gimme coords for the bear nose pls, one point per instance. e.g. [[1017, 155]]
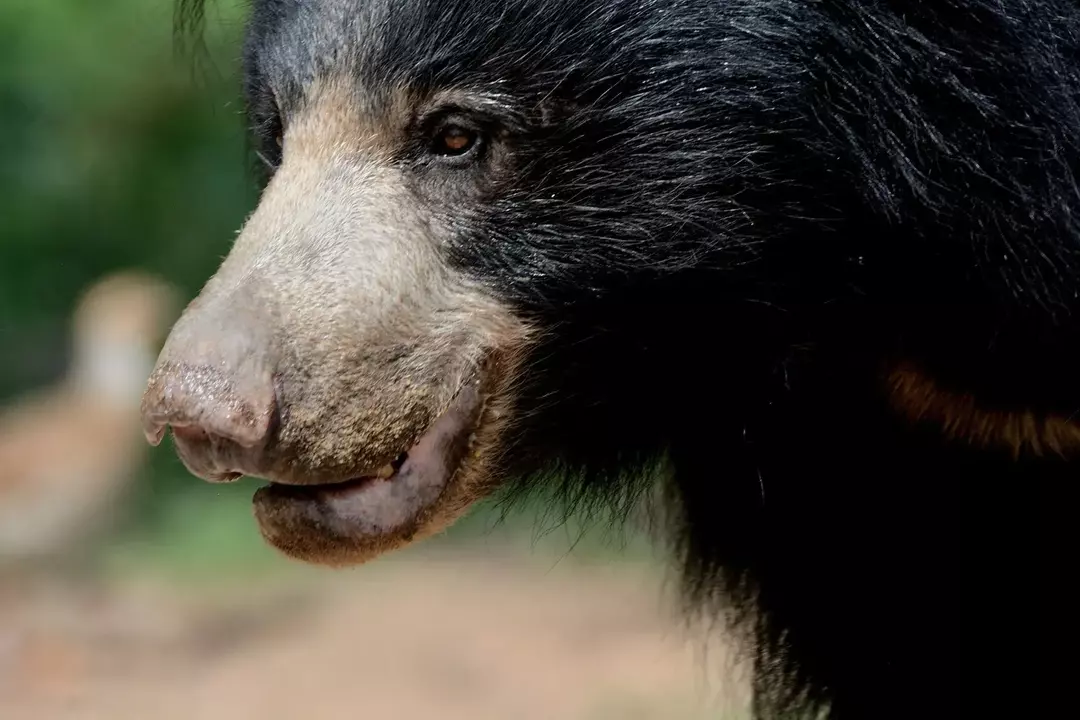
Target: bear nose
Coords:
[[202, 405], [214, 386]]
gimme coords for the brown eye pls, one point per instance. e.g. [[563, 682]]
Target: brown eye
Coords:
[[280, 141], [454, 140]]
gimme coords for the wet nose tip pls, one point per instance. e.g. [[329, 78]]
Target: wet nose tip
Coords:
[[198, 402]]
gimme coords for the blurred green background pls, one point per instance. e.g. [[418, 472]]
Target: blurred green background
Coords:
[[116, 153]]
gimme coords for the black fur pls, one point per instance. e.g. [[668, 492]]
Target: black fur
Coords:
[[728, 214]]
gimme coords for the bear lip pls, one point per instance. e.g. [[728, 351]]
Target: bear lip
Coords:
[[365, 507], [387, 472], [452, 424]]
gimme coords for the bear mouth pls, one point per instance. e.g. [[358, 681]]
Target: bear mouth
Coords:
[[348, 518]]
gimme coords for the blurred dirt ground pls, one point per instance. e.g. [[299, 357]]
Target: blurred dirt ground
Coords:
[[447, 636]]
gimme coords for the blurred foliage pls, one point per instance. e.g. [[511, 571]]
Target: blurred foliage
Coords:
[[114, 155]]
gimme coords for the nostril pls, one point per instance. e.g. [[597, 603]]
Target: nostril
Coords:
[[224, 477], [191, 433]]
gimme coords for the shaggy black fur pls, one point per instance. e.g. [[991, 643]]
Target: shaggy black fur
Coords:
[[729, 214]]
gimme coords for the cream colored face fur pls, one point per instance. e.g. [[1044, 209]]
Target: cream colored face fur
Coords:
[[332, 338]]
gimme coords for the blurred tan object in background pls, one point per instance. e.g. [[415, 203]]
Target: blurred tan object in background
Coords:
[[451, 636], [67, 452]]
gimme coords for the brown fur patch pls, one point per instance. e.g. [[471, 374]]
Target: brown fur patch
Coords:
[[334, 120], [961, 416]]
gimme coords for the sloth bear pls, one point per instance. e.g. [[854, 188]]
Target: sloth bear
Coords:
[[814, 263]]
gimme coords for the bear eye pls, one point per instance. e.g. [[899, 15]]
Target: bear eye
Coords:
[[454, 141]]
